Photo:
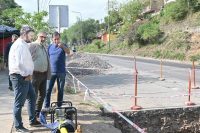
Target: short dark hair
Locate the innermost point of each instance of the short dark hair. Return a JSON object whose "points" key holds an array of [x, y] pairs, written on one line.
{"points": [[14, 36], [26, 29], [55, 34]]}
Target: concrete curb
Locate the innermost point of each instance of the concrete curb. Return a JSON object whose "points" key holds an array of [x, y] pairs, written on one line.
{"points": [[183, 64]]}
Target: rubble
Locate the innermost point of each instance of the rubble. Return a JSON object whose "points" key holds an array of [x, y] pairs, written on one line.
{"points": [[85, 64]]}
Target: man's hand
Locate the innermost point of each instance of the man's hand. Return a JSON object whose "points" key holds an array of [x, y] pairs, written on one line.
{"points": [[67, 50], [28, 78], [61, 45]]}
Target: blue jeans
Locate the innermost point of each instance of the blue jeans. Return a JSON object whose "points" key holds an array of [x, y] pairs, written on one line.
{"points": [[60, 77], [22, 90]]}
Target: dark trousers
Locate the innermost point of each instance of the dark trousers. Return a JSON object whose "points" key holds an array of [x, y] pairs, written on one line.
{"points": [[22, 90], [60, 78], [39, 82], [10, 83]]}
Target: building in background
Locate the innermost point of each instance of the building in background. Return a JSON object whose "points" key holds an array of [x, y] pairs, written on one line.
{"points": [[156, 5]]}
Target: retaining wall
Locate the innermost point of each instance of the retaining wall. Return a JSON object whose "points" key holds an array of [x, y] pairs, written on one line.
{"points": [[178, 120]]}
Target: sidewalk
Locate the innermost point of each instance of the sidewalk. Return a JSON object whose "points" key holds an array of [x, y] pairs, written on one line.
{"points": [[6, 109], [88, 117], [6, 103], [88, 114], [39, 129]]}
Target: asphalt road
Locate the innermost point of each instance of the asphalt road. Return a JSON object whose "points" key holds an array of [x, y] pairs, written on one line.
{"points": [[172, 70], [116, 85]]}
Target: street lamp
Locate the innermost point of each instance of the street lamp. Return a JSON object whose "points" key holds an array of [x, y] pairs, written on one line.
{"points": [[81, 25]]}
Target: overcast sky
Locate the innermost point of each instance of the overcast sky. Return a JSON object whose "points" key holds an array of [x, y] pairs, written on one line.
{"points": [[96, 9]]}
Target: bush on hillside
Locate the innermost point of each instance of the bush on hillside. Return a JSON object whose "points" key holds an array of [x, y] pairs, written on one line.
{"points": [[98, 43], [195, 57], [175, 11], [149, 32], [131, 35], [194, 5]]}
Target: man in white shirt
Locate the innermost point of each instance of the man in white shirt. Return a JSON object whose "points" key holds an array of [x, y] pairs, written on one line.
{"points": [[20, 70]]}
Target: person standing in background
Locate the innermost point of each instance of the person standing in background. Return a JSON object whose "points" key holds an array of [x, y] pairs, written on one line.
{"points": [[6, 55]]}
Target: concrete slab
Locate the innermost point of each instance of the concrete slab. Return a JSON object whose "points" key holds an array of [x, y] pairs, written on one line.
{"points": [[6, 104]]}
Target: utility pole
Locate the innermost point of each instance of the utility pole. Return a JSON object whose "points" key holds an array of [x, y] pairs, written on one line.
{"points": [[109, 24], [38, 6]]}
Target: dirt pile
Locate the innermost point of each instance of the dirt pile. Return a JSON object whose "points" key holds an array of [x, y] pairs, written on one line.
{"points": [[84, 64]]}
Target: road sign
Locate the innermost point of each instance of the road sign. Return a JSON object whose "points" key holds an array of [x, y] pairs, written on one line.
{"points": [[59, 16]]}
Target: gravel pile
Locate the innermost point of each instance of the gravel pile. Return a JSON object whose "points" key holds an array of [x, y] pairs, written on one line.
{"points": [[84, 64]]}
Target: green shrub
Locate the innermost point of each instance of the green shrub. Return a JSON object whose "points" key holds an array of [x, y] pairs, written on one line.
{"points": [[169, 54], [98, 43], [175, 11], [148, 32], [195, 57], [157, 54]]}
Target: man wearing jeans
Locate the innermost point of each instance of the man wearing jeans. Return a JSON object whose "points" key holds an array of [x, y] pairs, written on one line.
{"points": [[56, 52], [20, 69]]}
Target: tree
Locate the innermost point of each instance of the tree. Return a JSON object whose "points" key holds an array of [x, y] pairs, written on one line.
{"points": [[90, 29], [11, 16], [64, 37], [87, 28], [114, 19], [131, 11], [6, 4], [16, 17]]}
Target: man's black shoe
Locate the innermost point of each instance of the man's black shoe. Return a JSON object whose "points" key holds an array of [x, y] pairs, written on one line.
{"points": [[22, 130], [35, 124]]}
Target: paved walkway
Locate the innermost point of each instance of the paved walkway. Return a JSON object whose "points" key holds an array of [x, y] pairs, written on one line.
{"points": [[6, 104]]}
